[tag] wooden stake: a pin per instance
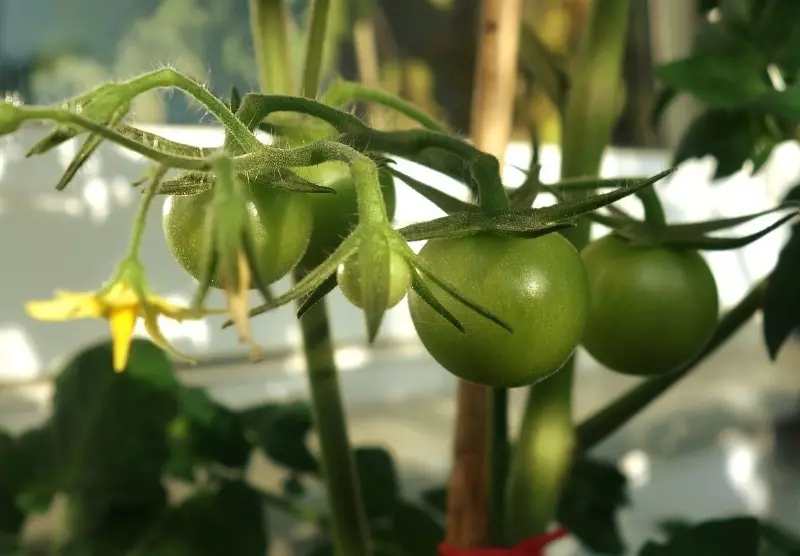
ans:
(492, 116)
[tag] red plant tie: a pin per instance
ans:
(529, 547)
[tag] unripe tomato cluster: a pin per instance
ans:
(639, 310)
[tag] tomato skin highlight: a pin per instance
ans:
(280, 223)
(537, 286)
(653, 308)
(349, 279)
(336, 215)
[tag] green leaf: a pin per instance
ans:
(208, 432)
(730, 137)
(380, 487)
(436, 498)
(782, 104)
(718, 80)
(228, 520)
(110, 429)
(777, 34)
(100, 527)
(418, 533)
(783, 542)
(34, 470)
(593, 494)
(11, 517)
(782, 298)
(281, 431)
(724, 537)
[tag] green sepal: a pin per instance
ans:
(373, 262)
(442, 200)
(313, 279)
(188, 183)
(522, 223)
(423, 267)
(317, 295)
(87, 149)
(101, 105)
(421, 288)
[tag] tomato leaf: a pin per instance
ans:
(783, 542)
(782, 297)
(783, 104)
(731, 137)
(723, 537)
(593, 494)
(33, 470)
(281, 431)
(721, 81)
(109, 428)
(210, 431)
(380, 486)
(228, 520)
(418, 533)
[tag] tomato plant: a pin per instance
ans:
(652, 307)
(337, 214)
(349, 280)
(280, 221)
(537, 286)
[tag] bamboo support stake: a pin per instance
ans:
(492, 113)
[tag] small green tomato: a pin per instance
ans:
(349, 279)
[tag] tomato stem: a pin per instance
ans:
(315, 46)
(268, 28)
(653, 210)
(344, 92)
(347, 515)
(541, 458)
(499, 451)
(610, 418)
(140, 221)
(591, 111)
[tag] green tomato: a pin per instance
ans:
(349, 279)
(653, 308)
(335, 215)
(536, 286)
(280, 223)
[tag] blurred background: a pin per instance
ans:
(727, 438)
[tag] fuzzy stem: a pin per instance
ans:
(590, 114)
(141, 216)
(268, 27)
(347, 514)
(315, 46)
(610, 418)
(344, 92)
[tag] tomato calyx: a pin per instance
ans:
(374, 246)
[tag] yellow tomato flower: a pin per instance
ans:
(122, 302)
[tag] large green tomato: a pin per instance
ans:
(280, 223)
(537, 286)
(335, 215)
(653, 308)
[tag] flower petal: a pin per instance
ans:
(122, 322)
(178, 313)
(157, 337)
(66, 306)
